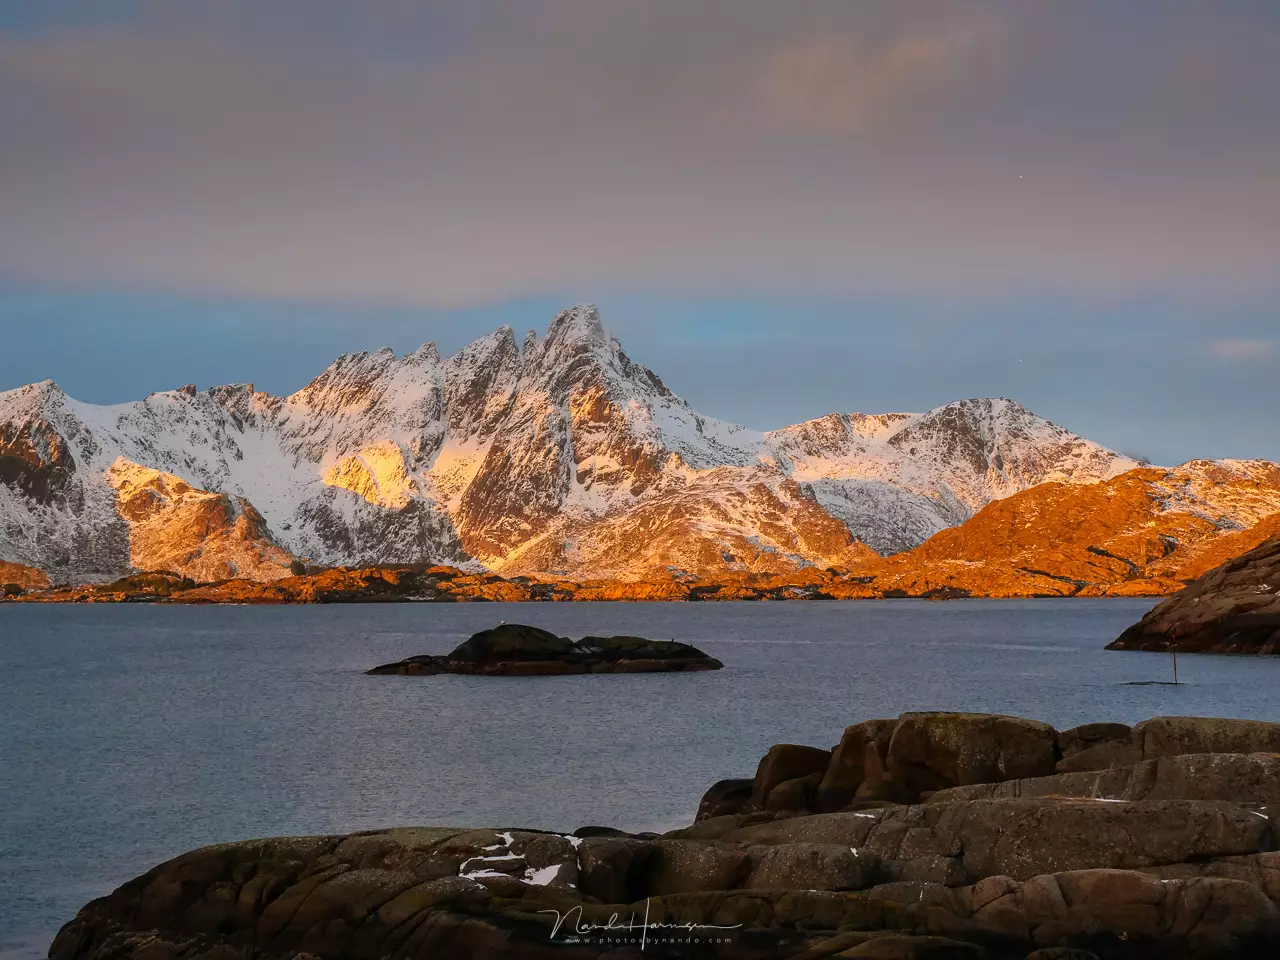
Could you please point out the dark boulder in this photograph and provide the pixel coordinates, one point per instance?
(794, 795)
(860, 755)
(687, 866)
(512, 641)
(725, 797)
(783, 762)
(1172, 856)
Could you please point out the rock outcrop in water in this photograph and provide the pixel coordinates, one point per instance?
(1234, 608)
(515, 650)
(1004, 839)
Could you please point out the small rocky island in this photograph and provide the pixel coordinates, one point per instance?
(515, 650)
(933, 835)
(1234, 608)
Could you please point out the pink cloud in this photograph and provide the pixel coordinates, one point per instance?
(836, 84)
(1242, 349)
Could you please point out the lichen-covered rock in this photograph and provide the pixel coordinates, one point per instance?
(810, 866)
(685, 866)
(1171, 736)
(1230, 777)
(931, 751)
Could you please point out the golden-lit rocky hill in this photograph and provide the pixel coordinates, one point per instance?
(1145, 532)
(193, 533)
(16, 575)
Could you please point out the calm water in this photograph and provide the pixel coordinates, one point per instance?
(129, 734)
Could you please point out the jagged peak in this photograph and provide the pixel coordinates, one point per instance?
(994, 412)
(578, 323)
(501, 339)
(31, 399)
(993, 405)
(428, 353)
(491, 349)
(41, 388)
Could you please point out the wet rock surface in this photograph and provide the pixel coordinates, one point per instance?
(518, 650)
(1174, 855)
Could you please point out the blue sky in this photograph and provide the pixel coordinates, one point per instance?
(783, 212)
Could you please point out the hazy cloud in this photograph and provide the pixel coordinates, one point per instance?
(458, 153)
(1242, 349)
(836, 84)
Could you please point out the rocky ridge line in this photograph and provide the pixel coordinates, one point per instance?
(559, 456)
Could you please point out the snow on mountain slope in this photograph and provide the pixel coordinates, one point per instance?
(900, 478)
(557, 454)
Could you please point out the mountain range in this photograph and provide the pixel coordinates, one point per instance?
(557, 456)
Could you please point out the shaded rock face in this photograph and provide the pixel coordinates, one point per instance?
(786, 763)
(725, 797)
(518, 650)
(860, 757)
(1233, 608)
(1175, 856)
(35, 460)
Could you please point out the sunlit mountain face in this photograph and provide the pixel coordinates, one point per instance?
(555, 455)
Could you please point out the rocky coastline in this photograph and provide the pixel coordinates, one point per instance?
(1233, 608)
(932, 835)
(516, 650)
(416, 583)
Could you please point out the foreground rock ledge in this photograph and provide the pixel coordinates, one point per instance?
(1173, 854)
(517, 650)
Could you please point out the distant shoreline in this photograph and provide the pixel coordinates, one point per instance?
(435, 584)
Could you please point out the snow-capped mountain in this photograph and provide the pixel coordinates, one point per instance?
(556, 455)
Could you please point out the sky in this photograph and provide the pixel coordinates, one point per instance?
(783, 209)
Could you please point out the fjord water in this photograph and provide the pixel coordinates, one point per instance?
(130, 733)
